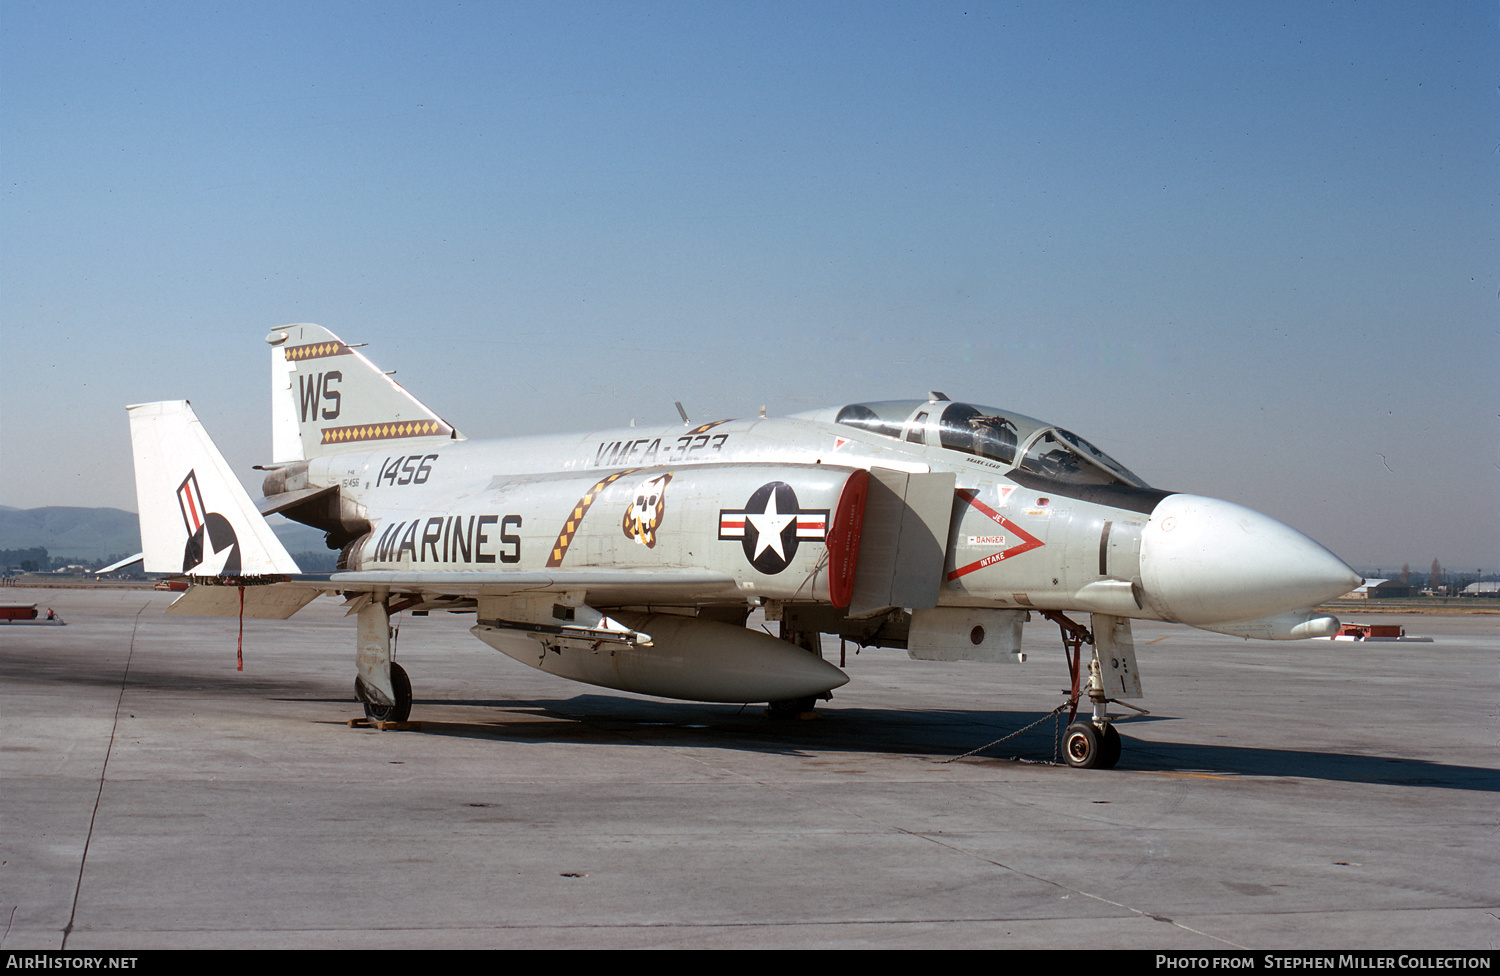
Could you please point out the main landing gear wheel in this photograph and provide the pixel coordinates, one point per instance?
(1085, 746)
(790, 709)
(401, 710)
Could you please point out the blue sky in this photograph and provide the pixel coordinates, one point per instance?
(1248, 249)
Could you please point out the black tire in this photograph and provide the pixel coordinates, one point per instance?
(401, 710)
(1109, 748)
(790, 709)
(1083, 745)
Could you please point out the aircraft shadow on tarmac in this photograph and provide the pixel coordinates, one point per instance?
(944, 734)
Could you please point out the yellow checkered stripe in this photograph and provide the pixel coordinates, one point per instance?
(570, 528)
(316, 350)
(703, 427)
(386, 432)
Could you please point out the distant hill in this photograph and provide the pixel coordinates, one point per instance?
(88, 534)
(70, 533)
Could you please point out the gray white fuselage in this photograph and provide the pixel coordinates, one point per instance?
(503, 504)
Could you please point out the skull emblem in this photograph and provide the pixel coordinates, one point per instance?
(643, 517)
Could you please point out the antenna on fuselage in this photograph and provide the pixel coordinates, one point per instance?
(683, 414)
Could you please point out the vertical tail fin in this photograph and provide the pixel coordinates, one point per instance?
(326, 397)
(195, 516)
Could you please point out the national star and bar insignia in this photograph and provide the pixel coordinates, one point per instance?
(772, 525)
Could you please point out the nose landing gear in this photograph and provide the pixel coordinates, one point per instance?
(1086, 746)
(1095, 743)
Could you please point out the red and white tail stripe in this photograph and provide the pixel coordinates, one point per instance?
(190, 500)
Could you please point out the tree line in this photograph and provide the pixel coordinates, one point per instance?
(38, 560)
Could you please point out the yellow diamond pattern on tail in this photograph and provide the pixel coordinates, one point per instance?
(316, 350)
(385, 431)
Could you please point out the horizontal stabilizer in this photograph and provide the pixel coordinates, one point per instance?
(276, 601)
(116, 567)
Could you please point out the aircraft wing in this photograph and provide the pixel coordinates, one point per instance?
(604, 587)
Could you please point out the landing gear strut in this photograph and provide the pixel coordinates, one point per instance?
(381, 685)
(1093, 743)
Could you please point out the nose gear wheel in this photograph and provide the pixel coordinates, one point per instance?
(1086, 746)
(1093, 743)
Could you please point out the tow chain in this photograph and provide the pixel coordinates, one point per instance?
(1074, 636)
(1056, 741)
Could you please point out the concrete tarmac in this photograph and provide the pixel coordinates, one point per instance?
(1279, 796)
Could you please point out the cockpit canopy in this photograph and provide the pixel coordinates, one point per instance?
(1011, 439)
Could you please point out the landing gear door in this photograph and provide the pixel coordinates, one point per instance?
(904, 542)
(1115, 649)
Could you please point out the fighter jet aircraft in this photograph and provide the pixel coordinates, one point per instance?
(632, 558)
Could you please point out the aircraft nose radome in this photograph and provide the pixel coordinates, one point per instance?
(1204, 560)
